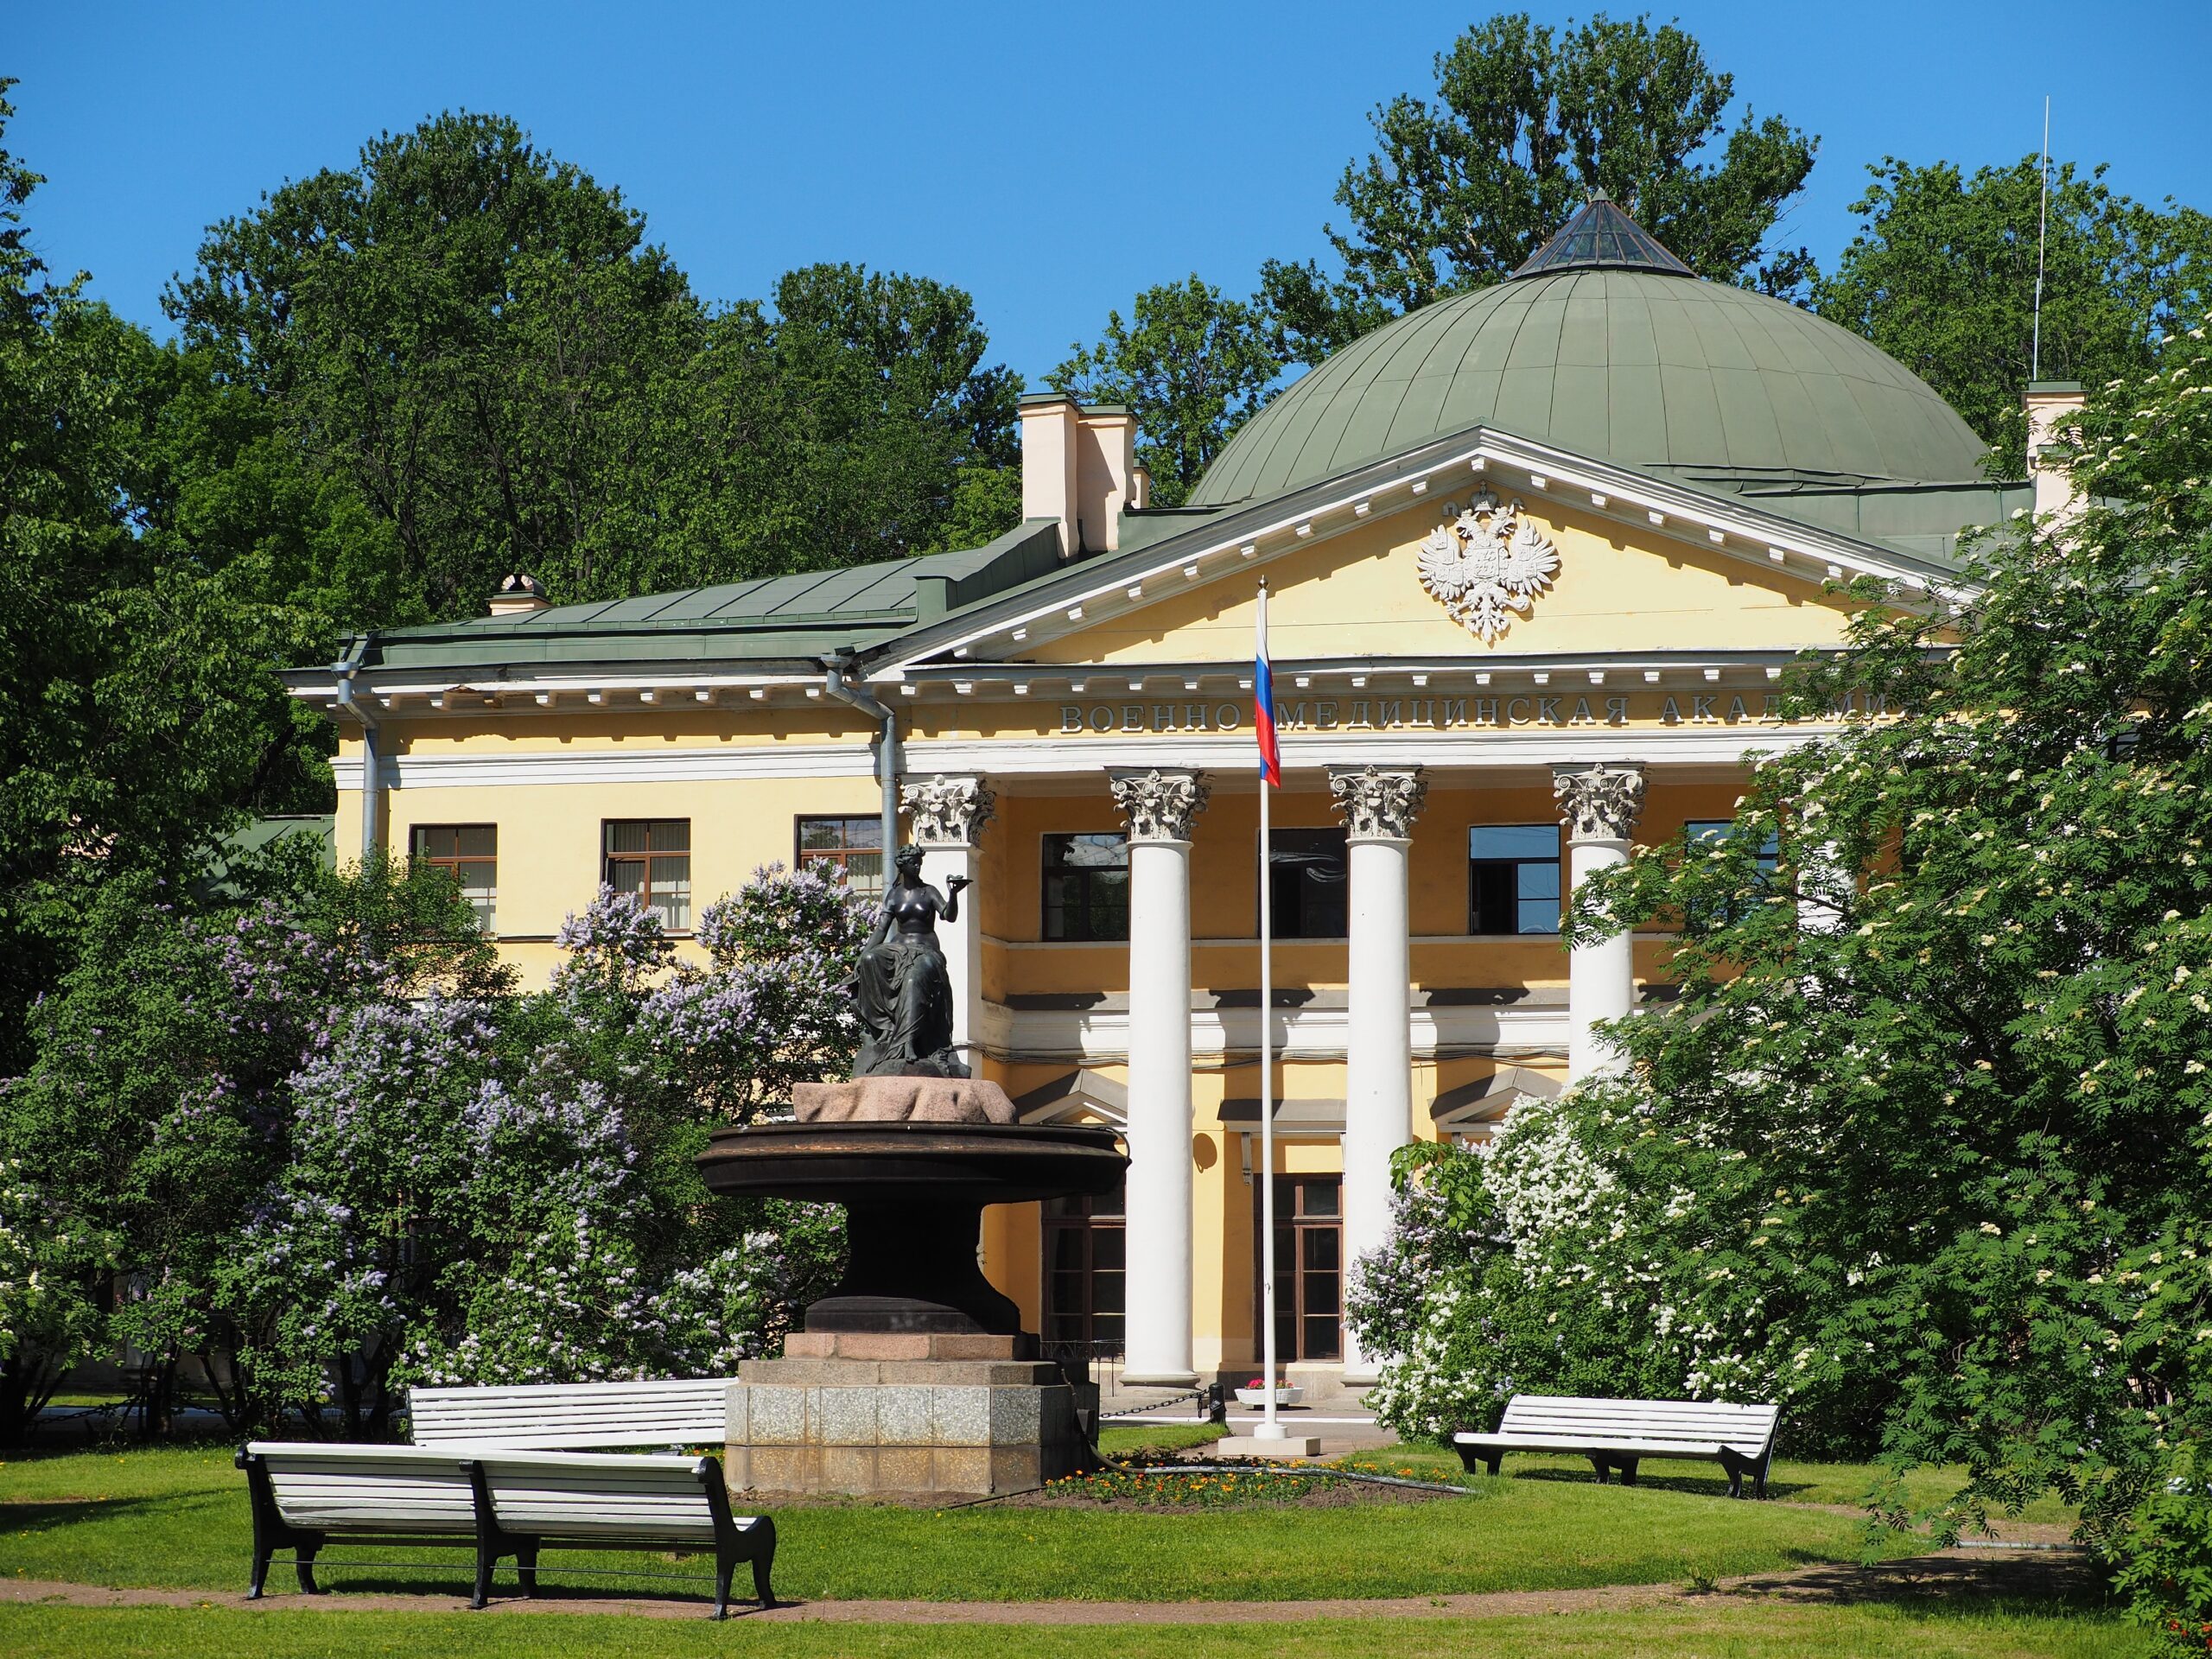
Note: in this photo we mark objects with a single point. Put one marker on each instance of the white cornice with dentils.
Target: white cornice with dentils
(389, 687)
(1684, 515)
(1089, 753)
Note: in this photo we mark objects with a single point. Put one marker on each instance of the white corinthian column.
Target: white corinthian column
(1600, 804)
(948, 816)
(1379, 807)
(1160, 807)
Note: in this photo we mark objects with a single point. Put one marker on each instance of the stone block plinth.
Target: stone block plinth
(870, 1413)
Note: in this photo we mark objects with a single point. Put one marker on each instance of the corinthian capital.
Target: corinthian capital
(1378, 804)
(1600, 803)
(1159, 806)
(947, 811)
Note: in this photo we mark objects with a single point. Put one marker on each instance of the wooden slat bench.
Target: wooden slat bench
(1619, 1433)
(488, 1472)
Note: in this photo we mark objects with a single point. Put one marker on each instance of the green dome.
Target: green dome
(1630, 363)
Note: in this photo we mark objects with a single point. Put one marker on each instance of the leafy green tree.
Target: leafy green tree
(887, 403)
(1191, 365)
(1526, 122)
(1923, 1144)
(476, 342)
(138, 716)
(475, 337)
(1941, 275)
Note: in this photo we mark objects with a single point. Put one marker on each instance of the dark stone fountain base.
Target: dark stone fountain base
(913, 1377)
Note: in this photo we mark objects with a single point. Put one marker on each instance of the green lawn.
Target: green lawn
(1133, 1441)
(177, 1517)
(1845, 1484)
(1710, 1627)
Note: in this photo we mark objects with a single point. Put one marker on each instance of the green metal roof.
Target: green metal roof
(1688, 379)
(794, 620)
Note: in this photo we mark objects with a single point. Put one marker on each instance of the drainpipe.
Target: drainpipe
(886, 750)
(345, 670)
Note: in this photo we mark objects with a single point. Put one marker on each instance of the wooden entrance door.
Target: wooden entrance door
(1309, 1267)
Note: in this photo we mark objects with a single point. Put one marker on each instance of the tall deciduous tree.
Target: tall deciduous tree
(1941, 275)
(137, 713)
(1526, 121)
(1191, 365)
(886, 398)
(476, 341)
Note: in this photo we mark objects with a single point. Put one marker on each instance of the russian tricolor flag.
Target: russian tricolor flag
(1263, 701)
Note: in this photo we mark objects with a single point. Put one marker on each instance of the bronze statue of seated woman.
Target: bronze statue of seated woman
(903, 989)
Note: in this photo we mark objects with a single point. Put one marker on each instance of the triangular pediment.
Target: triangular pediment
(1506, 551)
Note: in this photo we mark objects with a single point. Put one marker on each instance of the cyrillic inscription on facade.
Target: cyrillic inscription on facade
(1311, 714)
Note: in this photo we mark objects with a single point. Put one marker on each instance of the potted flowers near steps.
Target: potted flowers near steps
(1254, 1393)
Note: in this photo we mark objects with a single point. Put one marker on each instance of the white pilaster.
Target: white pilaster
(1160, 808)
(1600, 804)
(1379, 808)
(947, 815)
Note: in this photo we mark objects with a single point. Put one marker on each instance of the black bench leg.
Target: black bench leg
(1602, 1467)
(486, 1561)
(761, 1592)
(270, 1533)
(1495, 1464)
(1736, 1464)
(526, 1569)
(1628, 1472)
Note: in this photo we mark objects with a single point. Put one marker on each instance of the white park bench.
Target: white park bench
(546, 1417)
(1619, 1433)
(492, 1488)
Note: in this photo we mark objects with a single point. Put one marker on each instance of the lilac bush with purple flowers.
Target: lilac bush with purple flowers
(344, 1153)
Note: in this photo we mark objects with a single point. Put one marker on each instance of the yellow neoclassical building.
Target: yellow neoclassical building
(1537, 557)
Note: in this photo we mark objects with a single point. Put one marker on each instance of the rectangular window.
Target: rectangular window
(853, 847)
(652, 857)
(1513, 878)
(1698, 829)
(1706, 831)
(1085, 1277)
(1309, 1267)
(471, 851)
(1308, 883)
(1087, 886)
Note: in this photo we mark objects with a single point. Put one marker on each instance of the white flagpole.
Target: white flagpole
(1270, 1428)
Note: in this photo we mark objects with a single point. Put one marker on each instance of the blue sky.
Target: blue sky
(1052, 159)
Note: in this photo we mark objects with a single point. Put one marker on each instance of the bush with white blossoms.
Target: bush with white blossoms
(48, 1320)
(1922, 1142)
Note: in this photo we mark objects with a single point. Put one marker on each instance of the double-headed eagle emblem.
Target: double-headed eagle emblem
(1486, 563)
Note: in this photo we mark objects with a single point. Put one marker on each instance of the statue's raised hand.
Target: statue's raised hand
(955, 883)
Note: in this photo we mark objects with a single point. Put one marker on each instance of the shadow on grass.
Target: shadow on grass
(2040, 1583)
(1695, 1485)
(558, 1579)
(45, 1517)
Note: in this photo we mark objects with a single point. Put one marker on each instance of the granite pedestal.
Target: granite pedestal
(875, 1413)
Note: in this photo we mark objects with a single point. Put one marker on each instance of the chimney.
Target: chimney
(519, 595)
(1078, 468)
(2051, 406)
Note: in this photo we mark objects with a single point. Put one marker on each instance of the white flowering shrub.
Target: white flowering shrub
(47, 1321)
